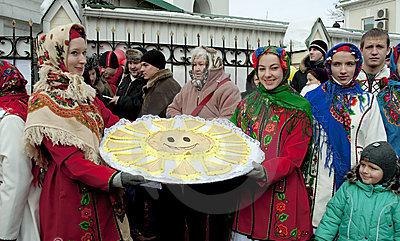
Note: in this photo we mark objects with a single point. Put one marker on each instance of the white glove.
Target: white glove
(258, 172)
(124, 179)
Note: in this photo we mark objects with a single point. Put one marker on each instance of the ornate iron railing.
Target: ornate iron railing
(179, 54)
(176, 54)
(19, 48)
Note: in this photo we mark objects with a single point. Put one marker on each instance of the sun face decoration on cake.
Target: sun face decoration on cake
(180, 142)
(176, 150)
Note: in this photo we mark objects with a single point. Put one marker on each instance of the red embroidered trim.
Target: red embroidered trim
(88, 115)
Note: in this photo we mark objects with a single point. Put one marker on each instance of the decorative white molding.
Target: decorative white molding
(186, 19)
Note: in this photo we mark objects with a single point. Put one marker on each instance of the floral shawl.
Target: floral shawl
(331, 107)
(13, 96)
(61, 107)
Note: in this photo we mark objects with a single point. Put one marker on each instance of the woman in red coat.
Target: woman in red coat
(276, 205)
(65, 123)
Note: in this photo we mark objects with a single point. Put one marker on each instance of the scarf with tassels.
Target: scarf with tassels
(61, 107)
(331, 105)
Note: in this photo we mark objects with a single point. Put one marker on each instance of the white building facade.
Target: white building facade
(366, 14)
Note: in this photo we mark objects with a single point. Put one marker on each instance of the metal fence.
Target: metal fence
(236, 60)
(20, 49)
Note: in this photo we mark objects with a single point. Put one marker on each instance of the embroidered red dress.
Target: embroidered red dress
(63, 190)
(64, 126)
(279, 208)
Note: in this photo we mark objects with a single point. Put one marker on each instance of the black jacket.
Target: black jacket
(300, 77)
(130, 98)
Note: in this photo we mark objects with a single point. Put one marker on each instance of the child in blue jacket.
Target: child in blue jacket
(367, 205)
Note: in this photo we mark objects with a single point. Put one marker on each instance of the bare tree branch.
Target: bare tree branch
(336, 13)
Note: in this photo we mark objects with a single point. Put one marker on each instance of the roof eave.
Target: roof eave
(166, 6)
(183, 18)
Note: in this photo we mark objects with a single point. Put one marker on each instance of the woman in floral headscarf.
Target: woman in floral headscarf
(19, 200)
(389, 102)
(275, 206)
(346, 120)
(64, 126)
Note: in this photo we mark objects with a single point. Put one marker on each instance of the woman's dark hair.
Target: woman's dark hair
(91, 63)
(86, 76)
(250, 85)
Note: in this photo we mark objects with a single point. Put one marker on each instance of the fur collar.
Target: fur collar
(161, 74)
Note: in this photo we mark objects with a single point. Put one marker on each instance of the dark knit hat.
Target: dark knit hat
(135, 54)
(382, 154)
(320, 45)
(109, 59)
(155, 58)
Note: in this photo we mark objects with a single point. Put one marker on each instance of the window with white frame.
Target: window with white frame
(368, 23)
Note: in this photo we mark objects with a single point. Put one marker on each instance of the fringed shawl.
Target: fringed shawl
(61, 107)
(331, 107)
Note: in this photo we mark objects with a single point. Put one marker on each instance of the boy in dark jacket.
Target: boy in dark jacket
(129, 97)
(315, 59)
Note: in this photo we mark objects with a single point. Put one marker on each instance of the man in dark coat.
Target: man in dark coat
(315, 59)
(129, 97)
(160, 88)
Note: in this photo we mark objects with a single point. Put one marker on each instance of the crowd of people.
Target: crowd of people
(331, 138)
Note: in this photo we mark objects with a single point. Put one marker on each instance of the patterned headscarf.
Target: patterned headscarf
(52, 50)
(347, 47)
(213, 62)
(61, 106)
(331, 106)
(284, 58)
(13, 96)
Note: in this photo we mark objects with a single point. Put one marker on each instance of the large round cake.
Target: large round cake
(183, 150)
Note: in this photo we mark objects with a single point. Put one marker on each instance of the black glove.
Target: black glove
(124, 179)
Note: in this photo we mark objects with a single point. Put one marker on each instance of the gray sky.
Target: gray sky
(283, 10)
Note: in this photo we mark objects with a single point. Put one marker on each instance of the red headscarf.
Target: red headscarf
(13, 96)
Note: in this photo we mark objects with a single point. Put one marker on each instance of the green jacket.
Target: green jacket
(361, 212)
